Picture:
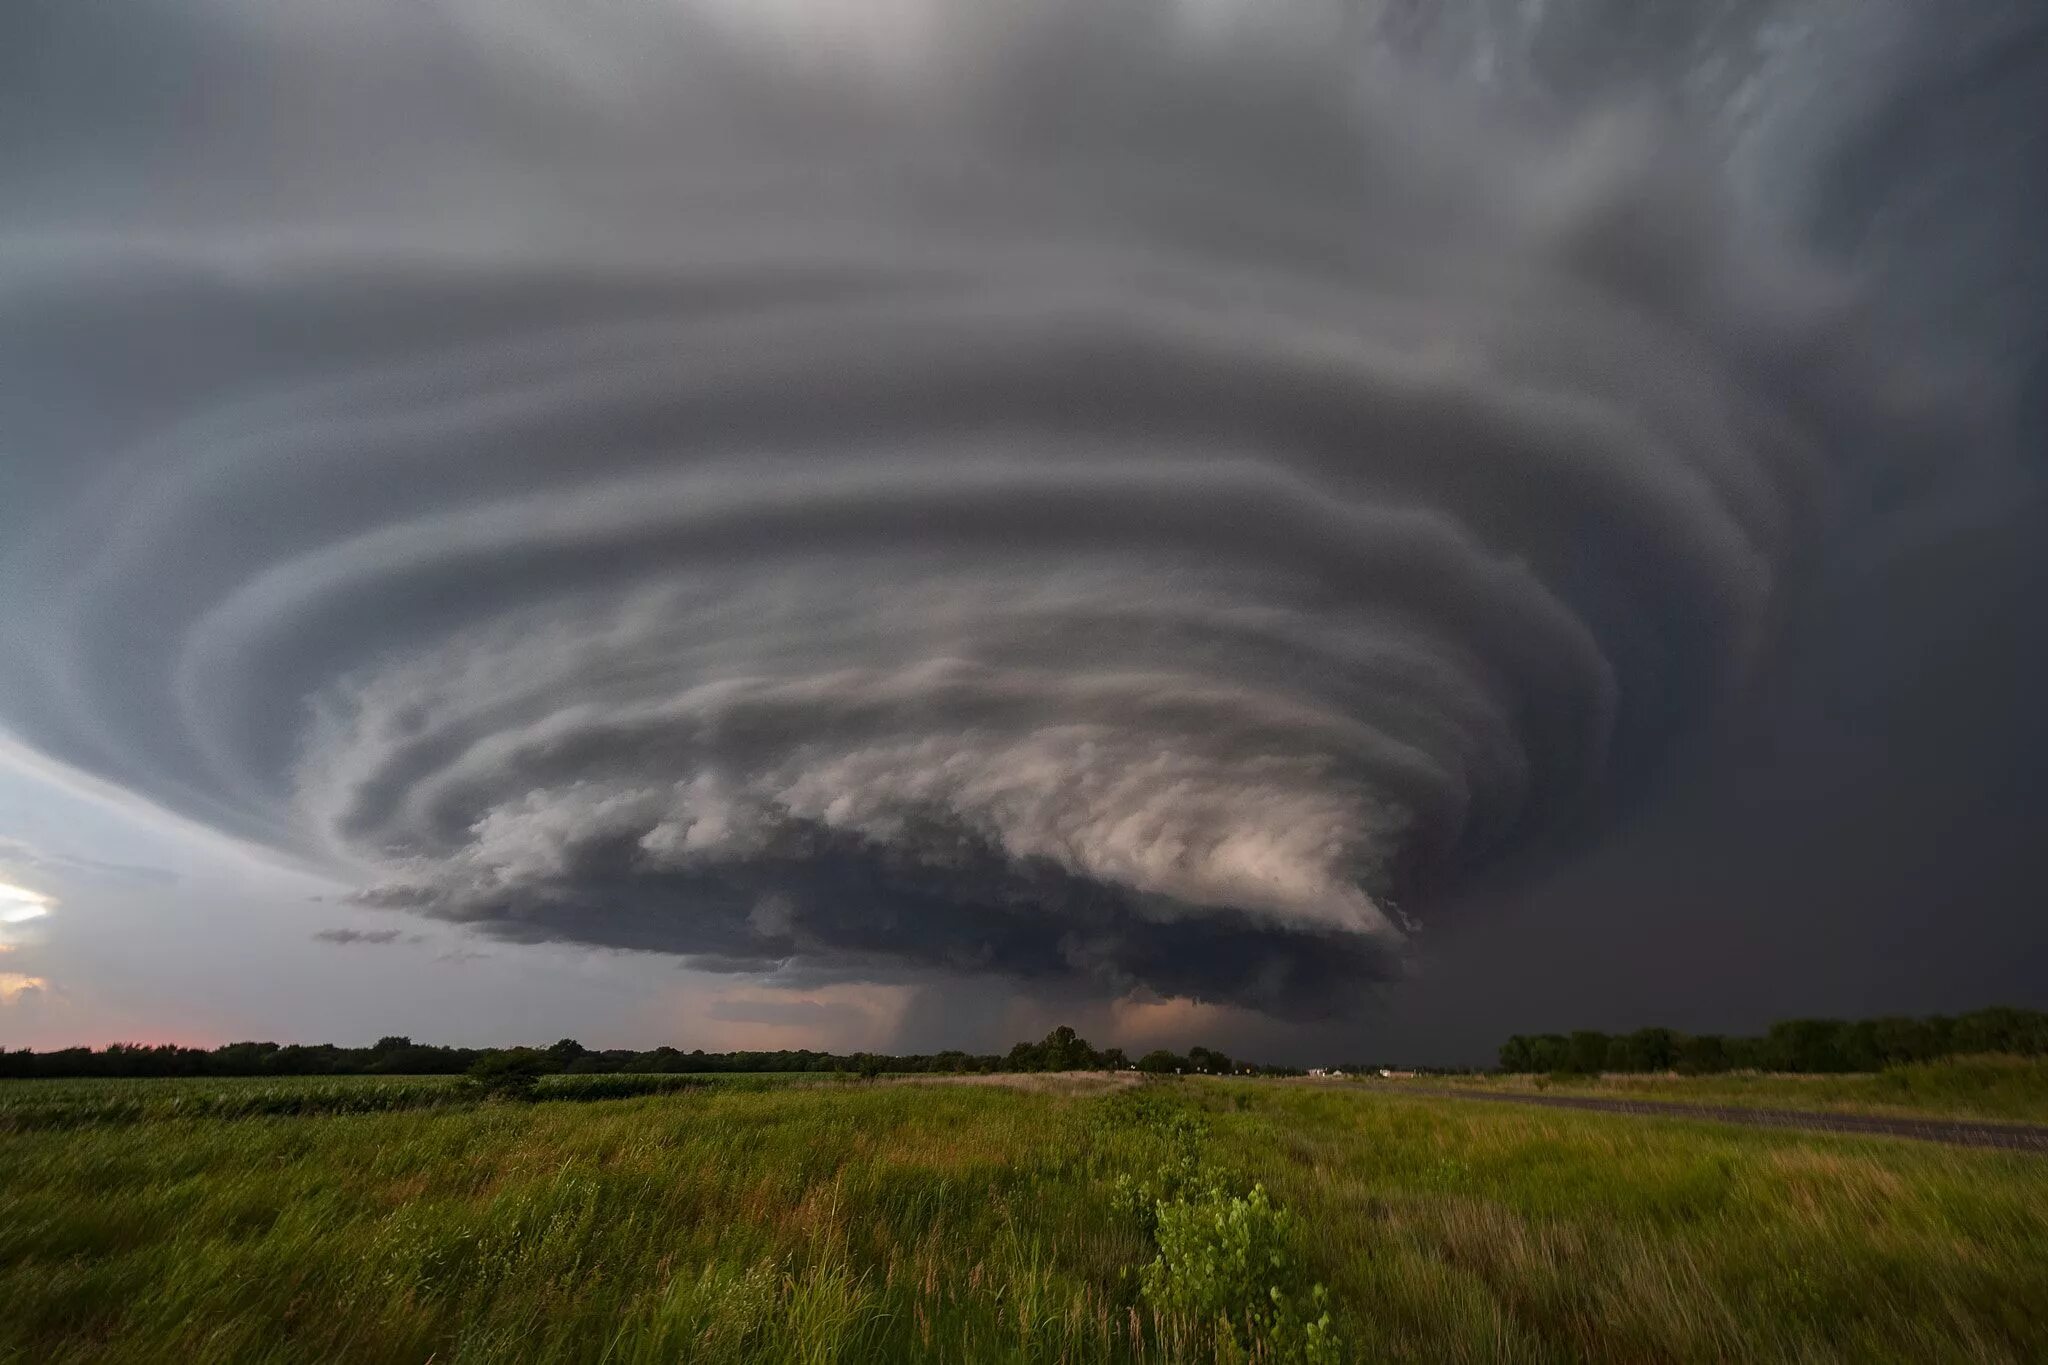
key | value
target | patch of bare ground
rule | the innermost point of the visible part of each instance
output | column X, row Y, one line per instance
column 1045, row 1082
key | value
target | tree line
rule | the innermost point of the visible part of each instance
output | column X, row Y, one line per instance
column 1809, row 1045
column 1060, row 1050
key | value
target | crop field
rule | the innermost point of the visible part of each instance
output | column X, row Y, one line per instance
column 1187, row 1220
column 29, row 1105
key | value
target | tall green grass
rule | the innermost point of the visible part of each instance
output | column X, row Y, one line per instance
column 1991, row 1088
column 26, row 1106
column 886, row 1222
column 1472, row 1233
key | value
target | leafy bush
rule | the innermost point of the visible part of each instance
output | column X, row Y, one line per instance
column 1224, row 1283
column 513, row 1074
column 1224, row 1265
column 1176, row 1178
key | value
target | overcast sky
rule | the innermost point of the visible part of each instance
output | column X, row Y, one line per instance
column 1328, row 529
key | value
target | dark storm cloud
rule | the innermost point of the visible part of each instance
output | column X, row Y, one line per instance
column 1089, row 493
column 815, row 906
column 348, row 937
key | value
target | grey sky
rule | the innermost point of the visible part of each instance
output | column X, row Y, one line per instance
column 721, row 524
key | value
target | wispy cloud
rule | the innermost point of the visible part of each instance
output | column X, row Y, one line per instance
column 18, row 853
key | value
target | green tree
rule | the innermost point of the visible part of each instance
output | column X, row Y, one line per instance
column 1588, row 1054
column 1897, row 1041
column 1550, row 1052
column 1026, row 1057
column 1857, row 1043
column 1647, row 1049
column 1809, row 1045
column 1702, row 1054
column 2001, row 1030
column 1066, row 1050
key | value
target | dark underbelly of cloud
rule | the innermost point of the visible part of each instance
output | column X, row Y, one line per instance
column 1111, row 495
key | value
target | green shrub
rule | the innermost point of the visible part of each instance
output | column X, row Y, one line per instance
column 1224, row 1283
column 511, row 1074
column 1224, row 1267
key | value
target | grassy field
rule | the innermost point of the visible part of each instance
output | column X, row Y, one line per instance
column 1996, row 1088
column 888, row 1221
column 26, row 1106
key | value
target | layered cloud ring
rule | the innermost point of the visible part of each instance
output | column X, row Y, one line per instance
column 1107, row 495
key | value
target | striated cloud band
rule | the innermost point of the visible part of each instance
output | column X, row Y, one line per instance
column 1111, row 494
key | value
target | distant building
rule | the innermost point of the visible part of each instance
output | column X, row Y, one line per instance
column 1394, row 1075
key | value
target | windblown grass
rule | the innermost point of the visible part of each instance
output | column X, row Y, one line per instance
column 1457, row 1232
column 1992, row 1088
column 30, row 1105
column 885, row 1222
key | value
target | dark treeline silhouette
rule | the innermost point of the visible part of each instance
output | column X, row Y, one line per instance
column 1811, row 1045
column 1060, row 1050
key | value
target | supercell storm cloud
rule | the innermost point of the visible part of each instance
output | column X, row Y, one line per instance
column 1112, row 493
